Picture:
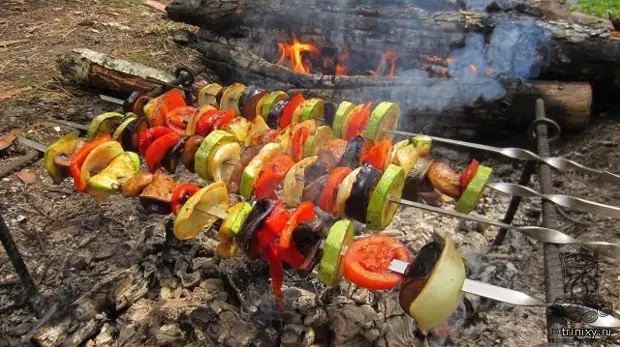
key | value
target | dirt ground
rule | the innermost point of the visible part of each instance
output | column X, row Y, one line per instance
column 69, row 242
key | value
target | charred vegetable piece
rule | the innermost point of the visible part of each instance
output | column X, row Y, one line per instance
column 356, row 206
column 330, row 113
column 235, row 218
column 356, row 148
column 207, row 149
column 211, row 94
column 356, row 122
column 332, row 153
column 270, row 102
column 286, row 249
column 381, row 209
column 417, row 180
column 272, row 175
column 293, row 186
column 103, row 124
column 248, row 101
column 312, row 191
column 158, row 150
column 331, row 267
column 422, row 144
column 275, row 113
column 367, row 261
column 180, row 195
column 306, row 239
column 247, row 238
column 189, row 151
column 98, row 159
column 406, row 157
column 252, row 170
column 165, row 103
column 317, row 140
column 194, row 215
column 383, row 117
column 314, row 171
column 156, row 197
column 230, row 98
column 132, row 134
column 123, row 167
column 444, row 179
column 134, row 186
column 64, row 146
column 344, row 191
column 327, row 200
column 472, row 194
column 173, row 156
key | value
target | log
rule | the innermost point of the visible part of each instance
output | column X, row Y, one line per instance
column 98, row 70
column 579, row 52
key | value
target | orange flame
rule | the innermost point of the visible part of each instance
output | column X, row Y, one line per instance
column 474, row 69
column 343, row 59
column 389, row 57
column 294, row 54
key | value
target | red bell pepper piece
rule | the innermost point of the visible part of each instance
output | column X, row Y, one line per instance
column 273, row 174
column 328, row 195
column 178, row 118
column 223, row 118
column 274, row 224
column 78, row 159
column 149, row 135
column 287, row 114
column 286, row 250
column 168, row 102
column 277, row 274
column 297, row 142
column 211, row 119
column 180, row 196
column 158, row 149
column 469, row 173
column 357, row 122
column 378, row 155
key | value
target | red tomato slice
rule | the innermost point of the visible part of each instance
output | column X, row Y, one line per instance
column 357, row 122
column 177, row 119
column 367, row 260
column 180, row 196
column 169, row 101
column 378, row 155
column 287, row 114
column 273, row 174
column 78, row 159
column 469, row 173
column 158, row 149
column 287, row 252
column 224, row 118
column 149, row 135
column 297, row 142
column 328, row 195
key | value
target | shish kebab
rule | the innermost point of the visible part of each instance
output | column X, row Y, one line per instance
column 385, row 114
column 432, row 285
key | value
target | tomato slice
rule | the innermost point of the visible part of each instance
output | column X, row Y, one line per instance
column 149, row 135
column 178, row 118
column 378, row 155
column 273, row 174
column 469, row 173
column 223, row 118
column 297, row 142
column 328, row 195
column 78, row 159
column 287, row 113
column 367, row 260
column 357, row 122
column 169, row 101
column 286, row 250
column 180, row 196
column 274, row 224
column 158, row 149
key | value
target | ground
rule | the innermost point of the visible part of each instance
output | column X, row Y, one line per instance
column 69, row 242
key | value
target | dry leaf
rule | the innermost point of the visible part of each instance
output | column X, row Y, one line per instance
column 8, row 94
column 27, row 176
column 7, row 141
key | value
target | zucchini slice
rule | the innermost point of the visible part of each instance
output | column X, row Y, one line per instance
column 321, row 136
column 230, row 98
column 383, row 117
column 271, row 100
column 380, row 209
column 192, row 217
column 331, row 266
column 342, row 112
column 293, row 185
column 313, row 109
column 103, row 124
column 253, row 169
column 472, row 194
column 210, row 95
column 206, row 150
column 344, row 191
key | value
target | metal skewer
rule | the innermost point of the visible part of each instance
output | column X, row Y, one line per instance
column 542, row 234
column 70, row 124
column 558, row 163
column 518, row 298
column 566, row 201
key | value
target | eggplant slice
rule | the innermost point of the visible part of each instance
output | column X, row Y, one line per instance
column 273, row 119
column 357, row 203
column 247, row 239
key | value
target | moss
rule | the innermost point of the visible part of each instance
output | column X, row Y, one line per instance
column 599, row 7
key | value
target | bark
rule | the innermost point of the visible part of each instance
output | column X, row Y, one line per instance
column 94, row 69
